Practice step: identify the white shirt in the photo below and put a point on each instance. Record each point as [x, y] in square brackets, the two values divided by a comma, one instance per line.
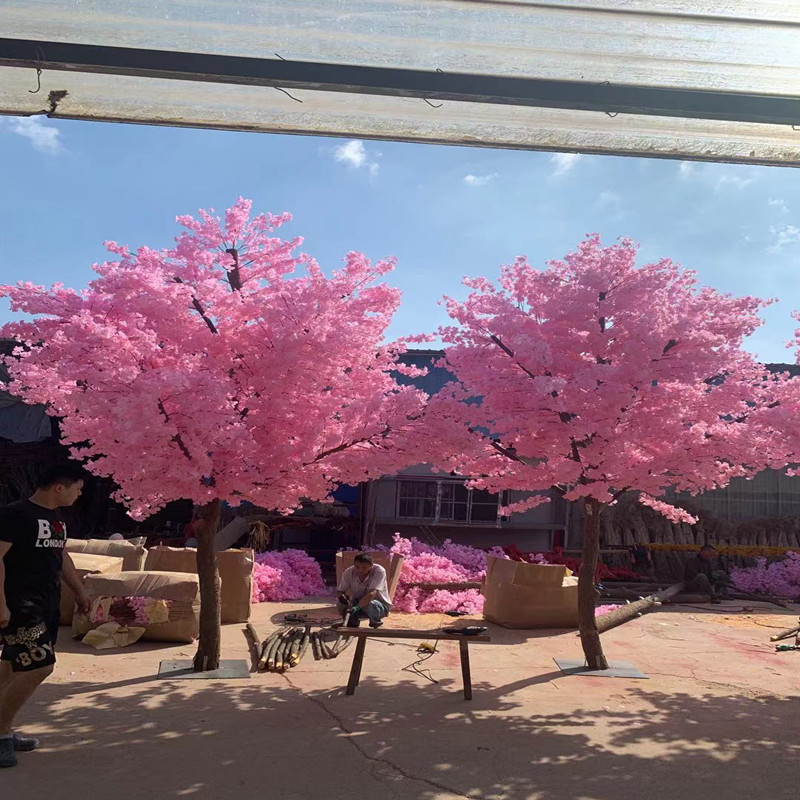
[375, 580]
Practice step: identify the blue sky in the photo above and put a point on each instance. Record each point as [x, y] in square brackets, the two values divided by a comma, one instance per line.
[445, 212]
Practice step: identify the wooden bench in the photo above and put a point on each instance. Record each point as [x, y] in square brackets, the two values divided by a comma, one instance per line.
[362, 634]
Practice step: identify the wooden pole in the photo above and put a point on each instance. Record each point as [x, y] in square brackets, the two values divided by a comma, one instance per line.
[268, 649]
[272, 651]
[294, 650]
[463, 647]
[785, 634]
[303, 646]
[633, 610]
[355, 670]
[765, 598]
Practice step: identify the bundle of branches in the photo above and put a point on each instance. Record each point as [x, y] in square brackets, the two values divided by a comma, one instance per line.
[284, 649]
[327, 644]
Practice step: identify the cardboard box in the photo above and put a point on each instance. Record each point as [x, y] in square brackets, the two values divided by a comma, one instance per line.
[235, 570]
[85, 564]
[181, 589]
[520, 595]
[391, 563]
[132, 554]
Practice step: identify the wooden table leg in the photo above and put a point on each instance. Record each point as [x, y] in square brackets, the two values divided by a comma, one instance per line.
[463, 645]
[358, 660]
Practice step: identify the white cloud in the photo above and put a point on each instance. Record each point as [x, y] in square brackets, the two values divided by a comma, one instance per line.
[564, 162]
[608, 200]
[784, 235]
[687, 169]
[356, 155]
[736, 181]
[779, 203]
[479, 180]
[44, 138]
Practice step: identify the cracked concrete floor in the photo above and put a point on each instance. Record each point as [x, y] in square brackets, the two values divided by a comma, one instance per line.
[717, 718]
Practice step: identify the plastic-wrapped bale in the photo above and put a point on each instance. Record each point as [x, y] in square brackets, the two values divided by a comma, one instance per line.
[131, 553]
[165, 604]
[85, 564]
[235, 571]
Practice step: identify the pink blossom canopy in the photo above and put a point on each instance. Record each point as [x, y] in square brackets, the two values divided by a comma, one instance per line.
[596, 376]
[225, 367]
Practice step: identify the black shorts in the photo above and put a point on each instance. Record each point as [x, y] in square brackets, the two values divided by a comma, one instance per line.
[29, 643]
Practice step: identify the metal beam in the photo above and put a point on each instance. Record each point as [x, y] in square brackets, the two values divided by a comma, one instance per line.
[392, 82]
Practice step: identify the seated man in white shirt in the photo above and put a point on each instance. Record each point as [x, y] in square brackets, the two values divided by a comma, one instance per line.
[365, 592]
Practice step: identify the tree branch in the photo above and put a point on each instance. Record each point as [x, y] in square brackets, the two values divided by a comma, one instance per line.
[177, 438]
[234, 275]
[564, 416]
[200, 310]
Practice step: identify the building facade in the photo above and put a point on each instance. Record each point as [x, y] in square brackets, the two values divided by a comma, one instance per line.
[418, 502]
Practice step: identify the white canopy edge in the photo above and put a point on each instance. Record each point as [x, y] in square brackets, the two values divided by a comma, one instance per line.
[732, 47]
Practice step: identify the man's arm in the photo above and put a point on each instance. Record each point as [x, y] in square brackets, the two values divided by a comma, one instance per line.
[5, 614]
[368, 598]
[344, 583]
[73, 580]
[376, 580]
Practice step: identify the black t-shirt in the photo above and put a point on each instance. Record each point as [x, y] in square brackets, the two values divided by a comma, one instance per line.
[33, 564]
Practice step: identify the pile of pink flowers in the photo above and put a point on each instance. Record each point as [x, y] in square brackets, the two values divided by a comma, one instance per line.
[447, 563]
[600, 610]
[287, 575]
[781, 578]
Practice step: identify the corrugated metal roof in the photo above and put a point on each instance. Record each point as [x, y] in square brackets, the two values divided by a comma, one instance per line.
[721, 58]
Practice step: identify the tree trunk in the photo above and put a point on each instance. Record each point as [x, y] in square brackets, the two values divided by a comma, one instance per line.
[587, 623]
[633, 610]
[208, 648]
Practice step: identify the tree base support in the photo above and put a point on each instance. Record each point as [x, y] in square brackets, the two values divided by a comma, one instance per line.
[616, 669]
[183, 669]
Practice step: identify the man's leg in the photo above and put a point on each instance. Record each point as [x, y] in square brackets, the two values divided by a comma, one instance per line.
[18, 688]
[701, 584]
[27, 659]
[376, 611]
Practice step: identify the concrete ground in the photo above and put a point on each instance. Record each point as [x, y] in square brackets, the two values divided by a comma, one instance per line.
[718, 718]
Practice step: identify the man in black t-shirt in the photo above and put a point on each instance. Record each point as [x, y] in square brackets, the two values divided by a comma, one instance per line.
[32, 564]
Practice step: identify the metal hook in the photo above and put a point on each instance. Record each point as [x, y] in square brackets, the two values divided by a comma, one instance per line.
[296, 99]
[39, 60]
[433, 105]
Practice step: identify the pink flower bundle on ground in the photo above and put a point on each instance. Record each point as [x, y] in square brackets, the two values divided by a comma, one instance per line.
[286, 575]
[781, 578]
[446, 563]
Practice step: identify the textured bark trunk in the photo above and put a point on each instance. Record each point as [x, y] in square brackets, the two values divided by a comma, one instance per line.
[633, 610]
[208, 648]
[587, 623]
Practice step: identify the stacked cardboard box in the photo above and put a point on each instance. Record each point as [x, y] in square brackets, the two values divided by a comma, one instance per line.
[85, 564]
[235, 571]
[521, 595]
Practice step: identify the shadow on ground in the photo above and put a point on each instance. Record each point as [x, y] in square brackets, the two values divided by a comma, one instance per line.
[407, 739]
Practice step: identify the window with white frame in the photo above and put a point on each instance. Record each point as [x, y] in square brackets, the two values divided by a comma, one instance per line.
[446, 501]
[417, 499]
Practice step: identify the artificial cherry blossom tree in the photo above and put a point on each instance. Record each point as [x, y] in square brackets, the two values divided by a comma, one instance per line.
[595, 377]
[225, 368]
